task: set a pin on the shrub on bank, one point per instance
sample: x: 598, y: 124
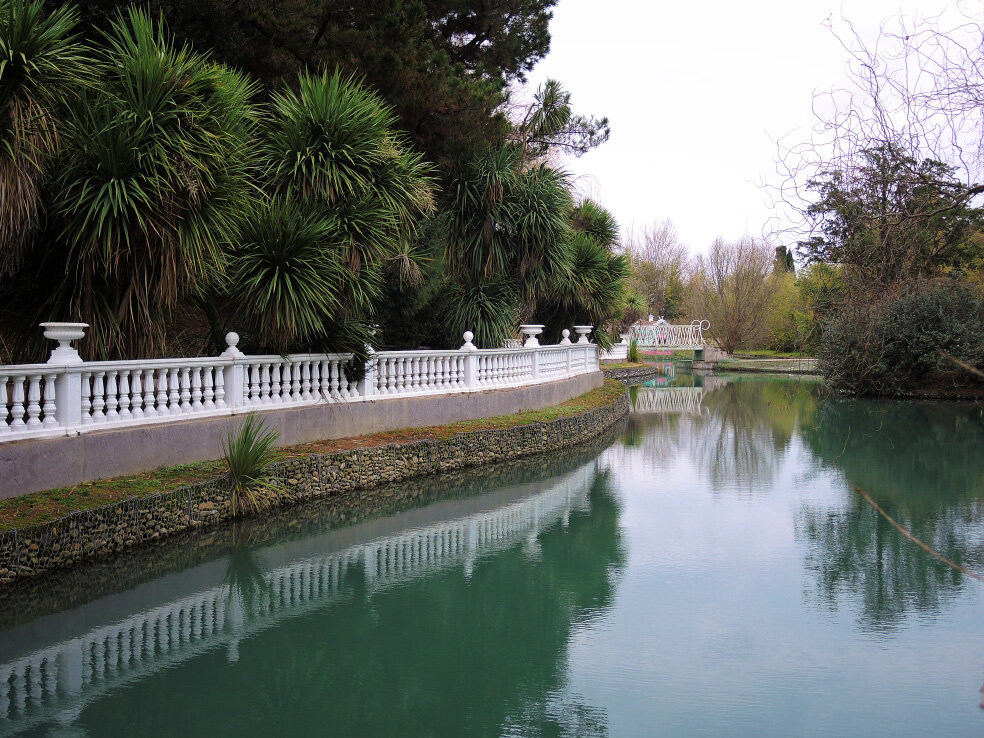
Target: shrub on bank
x: 905, y: 340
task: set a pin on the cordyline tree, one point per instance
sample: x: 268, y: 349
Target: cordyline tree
x: 443, y: 65
x: 166, y: 187
x: 146, y: 192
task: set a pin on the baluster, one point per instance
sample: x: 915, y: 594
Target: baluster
x: 98, y: 398
x: 295, y: 382
x: 125, y: 395
x: 174, y: 392
x: 265, y: 385
x: 49, y: 403
x: 4, y: 427
x: 161, y: 408
x: 112, y: 397
x: 254, y: 384
x: 86, y: 398
x: 276, y: 386
x: 33, y: 400
x: 318, y: 389
x: 333, y: 379
x: 185, y: 395
x: 195, y: 373
x: 216, y: 380
x: 136, y: 389
x: 387, y: 378
x: 208, y: 388
x: 395, y: 369
x: 415, y: 374
x: 306, y: 369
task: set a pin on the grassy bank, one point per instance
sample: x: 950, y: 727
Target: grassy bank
x: 41, y: 507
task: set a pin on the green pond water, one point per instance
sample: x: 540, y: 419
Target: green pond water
x: 705, y: 569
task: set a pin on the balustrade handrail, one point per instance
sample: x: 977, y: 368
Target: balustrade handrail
x: 68, y: 396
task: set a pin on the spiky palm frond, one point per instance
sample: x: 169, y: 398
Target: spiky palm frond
x: 284, y: 275
x: 487, y: 308
x: 539, y: 215
x: 478, y: 239
x: 152, y: 180
x: 334, y: 142
x: 589, y: 217
x: 41, y: 65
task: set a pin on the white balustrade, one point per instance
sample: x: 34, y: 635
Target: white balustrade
x: 665, y: 335
x: 67, y: 396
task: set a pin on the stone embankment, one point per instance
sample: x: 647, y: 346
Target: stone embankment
x: 106, y: 531
x: 628, y: 375
x: 70, y: 587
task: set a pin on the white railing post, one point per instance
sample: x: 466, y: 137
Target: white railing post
x: 68, y: 383
x: 367, y: 387
x: 471, y: 360
x: 535, y: 364
x: 234, y: 374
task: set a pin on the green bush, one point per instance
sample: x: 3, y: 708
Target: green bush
x: 890, y: 346
x: 634, y: 351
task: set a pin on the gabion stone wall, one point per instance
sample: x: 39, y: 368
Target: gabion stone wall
x: 105, y: 531
x: 630, y: 375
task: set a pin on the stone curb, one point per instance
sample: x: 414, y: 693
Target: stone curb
x: 108, y: 530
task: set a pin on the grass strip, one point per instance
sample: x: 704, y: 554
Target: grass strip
x: 40, y: 507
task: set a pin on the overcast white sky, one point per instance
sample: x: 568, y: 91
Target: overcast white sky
x: 696, y: 93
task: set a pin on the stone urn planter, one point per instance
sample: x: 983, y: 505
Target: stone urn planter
x: 582, y: 332
x: 531, y: 332
x: 64, y: 333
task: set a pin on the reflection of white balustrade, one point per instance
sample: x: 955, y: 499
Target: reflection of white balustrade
x: 69, y: 674
x: 38, y: 400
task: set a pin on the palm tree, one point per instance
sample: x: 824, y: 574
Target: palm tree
x: 41, y: 66
x: 334, y: 144
x: 344, y: 198
x: 151, y: 183
x: 593, y: 291
x: 506, y: 237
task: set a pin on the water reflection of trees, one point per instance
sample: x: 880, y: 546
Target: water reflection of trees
x: 440, y: 655
x: 921, y: 463
x: 739, y: 438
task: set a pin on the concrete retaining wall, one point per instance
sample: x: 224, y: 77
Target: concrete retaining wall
x: 37, y: 464
x: 108, y: 530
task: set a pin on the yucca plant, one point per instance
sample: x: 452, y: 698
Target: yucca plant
x: 42, y: 65
x: 149, y: 191
x: 249, y: 451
